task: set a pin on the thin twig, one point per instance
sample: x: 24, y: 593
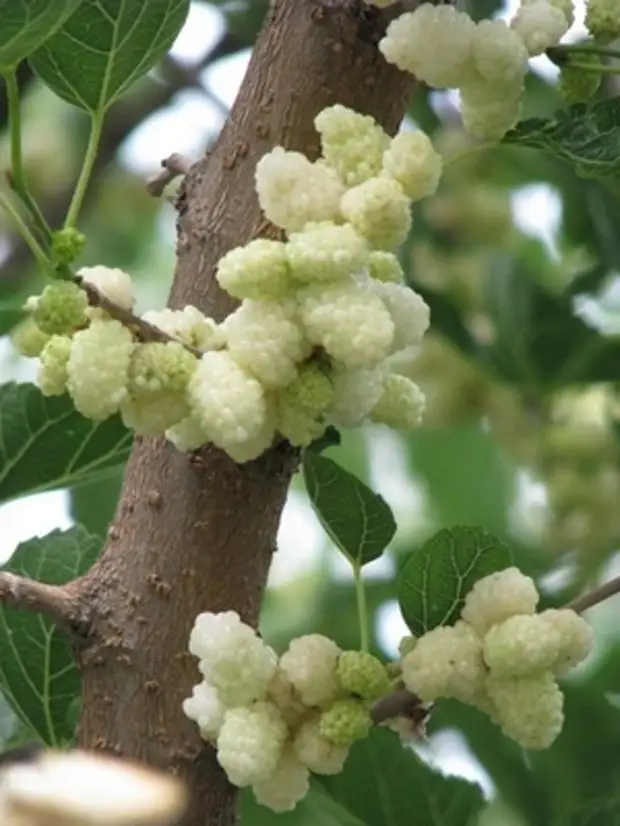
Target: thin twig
x: 52, y: 601
x: 599, y: 594
x: 172, y: 167
x: 141, y: 328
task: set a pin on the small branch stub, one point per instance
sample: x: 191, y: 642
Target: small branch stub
x: 51, y: 601
x: 172, y: 167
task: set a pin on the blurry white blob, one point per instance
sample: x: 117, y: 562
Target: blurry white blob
x: 601, y: 311
x: 80, y: 789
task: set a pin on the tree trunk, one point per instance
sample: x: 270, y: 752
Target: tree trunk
x: 197, y: 533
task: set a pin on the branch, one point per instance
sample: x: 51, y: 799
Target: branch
x: 141, y: 328
x: 55, y: 602
x: 599, y: 594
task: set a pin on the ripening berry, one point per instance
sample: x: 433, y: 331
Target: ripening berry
x: 521, y: 646
x: 356, y: 392
x: 160, y: 367
x: 433, y: 43
x: 401, y: 404
x: 266, y: 340
x: 362, y: 674
x: 250, y: 743
x: 206, y: 709
x: 187, y: 435
x: 285, y: 696
x: 498, y: 53
x: 303, y: 403
x: 385, y: 267
x: 293, y: 191
x: 98, y: 368
x: 576, y: 637
x: 189, y: 326
x: 310, y: 663
x: 446, y: 662
x: 603, y: 20
x: 529, y: 710
x: 489, y: 109
x: 232, y: 657
x: 578, y: 85
x: 379, y: 210
x: 345, y: 722
x: 351, y: 323
x: 28, y: 339
x: 229, y: 404
x: 116, y: 285
x: 413, y: 162
x: 60, y: 308
x: 52, y: 373
x: 540, y: 25
x: 252, y: 448
x: 353, y: 144
x: 257, y: 270
x: 565, y: 6
x: 286, y: 786
x: 409, y: 312
x: 498, y: 596
x: 326, y: 252
x: 316, y: 752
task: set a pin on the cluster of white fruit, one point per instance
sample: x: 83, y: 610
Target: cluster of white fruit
x: 502, y: 657
x: 486, y: 61
x: 275, y: 721
x: 326, y: 329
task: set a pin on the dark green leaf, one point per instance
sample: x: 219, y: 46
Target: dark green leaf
x: 447, y: 320
x: 540, y: 344
x: 437, y: 577
x: 605, y: 812
x: 46, y: 444
x: 358, y: 520
x: 318, y: 808
x: 37, y: 672
x: 586, y: 135
x: 105, y: 47
x: 385, y: 784
x: 93, y: 504
x: 27, y: 24
x: 9, y: 318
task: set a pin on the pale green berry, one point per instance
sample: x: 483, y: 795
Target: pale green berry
x: 302, y: 404
x: 603, y: 19
x: 385, y: 266
x: 160, y: 367
x: 345, y: 722
x: 52, y: 374
x: 577, y: 85
x: 67, y: 245
x: 28, y: 339
x: 61, y: 308
x: 362, y: 674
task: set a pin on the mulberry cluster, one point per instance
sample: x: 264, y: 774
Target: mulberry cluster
x: 273, y: 721
x: 503, y: 658
x: 324, y: 332
x: 486, y: 61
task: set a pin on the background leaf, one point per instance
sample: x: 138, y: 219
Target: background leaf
x: 586, y: 135
x: 358, y: 520
x: 385, y: 784
x: 436, y: 578
x: 105, y: 47
x: 37, y: 673
x: 46, y: 444
x: 27, y: 24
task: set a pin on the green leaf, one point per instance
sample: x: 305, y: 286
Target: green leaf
x: 37, y: 673
x: 586, y: 135
x: 437, y: 577
x: 27, y: 24
x: 540, y: 344
x: 385, y: 784
x: 105, y: 47
x: 94, y: 503
x: 9, y: 318
x: 603, y: 812
x: 46, y: 444
x: 318, y: 808
x: 358, y: 520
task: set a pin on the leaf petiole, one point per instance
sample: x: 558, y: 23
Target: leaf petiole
x: 96, y: 126
x: 23, y: 229
x: 362, y: 610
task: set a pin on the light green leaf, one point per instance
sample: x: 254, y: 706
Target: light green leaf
x: 26, y: 24
x: 105, y: 47
x: 388, y: 785
x: 587, y: 136
x: 37, y: 673
x: 437, y: 577
x: 358, y: 520
x: 46, y: 444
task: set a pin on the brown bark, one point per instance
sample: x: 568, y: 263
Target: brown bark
x: 196, y: 534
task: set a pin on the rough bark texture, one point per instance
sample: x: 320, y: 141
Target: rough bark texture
x: 197, y: 533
